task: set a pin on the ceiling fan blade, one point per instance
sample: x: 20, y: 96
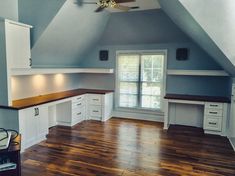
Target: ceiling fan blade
x: 135, y: 7
x: 124, y: 1
x: 121, y: 7
x: 99, y: 9
x: 89, y: 2
x: 81, y: 2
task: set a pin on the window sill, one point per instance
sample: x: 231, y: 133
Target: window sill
x: 141, y: 111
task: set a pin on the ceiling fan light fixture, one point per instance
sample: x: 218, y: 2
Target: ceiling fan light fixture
x: 112, y: 3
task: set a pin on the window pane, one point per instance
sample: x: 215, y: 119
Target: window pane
x: 147, y: 61
x: 151, y: 102
x: 147, y: 75
x: 158, y: 61
x: 128, y: 100
x: 128, y: 67
x: 151, y: 89
x: 157, y: 75
x: 152, y: 68
x: 128, y: 88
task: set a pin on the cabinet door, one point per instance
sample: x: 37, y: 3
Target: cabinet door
x: 33, y: 125
x: 18, y: 45
x: 27, y: 127
x: 42, y: 122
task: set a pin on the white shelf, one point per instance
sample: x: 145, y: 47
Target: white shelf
x: 15, y: 23
x: 198, y: 72
x: 34, y: 71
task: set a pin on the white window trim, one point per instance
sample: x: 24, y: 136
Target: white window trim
x: 116, y: 102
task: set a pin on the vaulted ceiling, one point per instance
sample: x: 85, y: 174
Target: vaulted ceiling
x: 63, y: 31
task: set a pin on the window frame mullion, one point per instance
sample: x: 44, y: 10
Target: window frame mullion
x: 139, y: 82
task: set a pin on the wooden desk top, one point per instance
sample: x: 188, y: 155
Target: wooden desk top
x: 198, y: 98
x: 38, y: 100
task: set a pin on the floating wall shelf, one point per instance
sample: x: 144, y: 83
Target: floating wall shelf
x: 33, y: 71
x: 198, y: 72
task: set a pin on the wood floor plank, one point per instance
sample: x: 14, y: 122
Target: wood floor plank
x: 123, y: 147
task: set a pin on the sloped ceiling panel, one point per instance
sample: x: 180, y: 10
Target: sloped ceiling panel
x: 177, y: 12
x: 72, y: 32
x: 217, y: 21
x: 39, y: 14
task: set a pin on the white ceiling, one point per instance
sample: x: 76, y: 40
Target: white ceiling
x: 143, y: 4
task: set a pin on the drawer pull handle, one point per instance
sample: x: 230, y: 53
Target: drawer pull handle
x: 213, y: 105
x: 79, y: 113
x: 36, y: 112
x: 95, y: 99
x: 211, y: 112
x: 95, y: 111
x: 79, y: 98
x: 212, y: 123
x: 79, y: 104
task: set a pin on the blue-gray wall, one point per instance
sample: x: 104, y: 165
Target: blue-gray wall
x: 198, y: 58
x: 9, y: 9
x: 141, y: 27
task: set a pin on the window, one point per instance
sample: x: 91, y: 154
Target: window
x: 140, y: 79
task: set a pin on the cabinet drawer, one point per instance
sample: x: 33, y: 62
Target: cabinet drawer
x: 78, y: 99
x: 213, y: 112
x: 214, y: 105
x: 95, y: 99
x: 77, y: 110
x: 78, y: 104
x: 78, y: 115
x: 213, y: 123
x: 95, y: 111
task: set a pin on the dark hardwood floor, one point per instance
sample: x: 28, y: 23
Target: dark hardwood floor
x: 129, y: 148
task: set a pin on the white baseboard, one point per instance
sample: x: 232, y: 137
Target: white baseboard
x: 139, y: 116
x: 232, y: 142
x: 64, y: 124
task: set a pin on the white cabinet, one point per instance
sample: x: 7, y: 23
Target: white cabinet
x: 94, y: 106
x: 72, y: 111
x: 84, y: 107
x: 17, y: 44
x: 78, y: 109
x: 99, y: 106
x: 14, y: 53
x: 33, y: 125
x: 215, y: 118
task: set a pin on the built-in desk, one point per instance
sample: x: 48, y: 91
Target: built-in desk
x: 34, y: 115
x: 215, y: 110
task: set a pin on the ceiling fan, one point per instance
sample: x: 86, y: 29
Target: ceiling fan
x: 103, y: 4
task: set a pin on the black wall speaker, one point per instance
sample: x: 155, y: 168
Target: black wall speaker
x: 104, y: 55
x: 182, y: 54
